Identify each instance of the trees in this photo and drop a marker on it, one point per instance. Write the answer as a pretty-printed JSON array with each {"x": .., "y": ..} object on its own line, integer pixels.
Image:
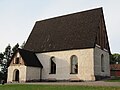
[
  {"x": 15, "y": 48},
  {"x": 7, "y": 54},
  {"x": 5, "y": 58},
  {"x": 115, "y": 58},
  {"x": 1, "y": 60},
  {"x": 1, "y": 57}
]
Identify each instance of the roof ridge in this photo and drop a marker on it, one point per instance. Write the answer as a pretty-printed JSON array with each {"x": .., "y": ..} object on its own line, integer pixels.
[
  {"x": 69, "y": 14},
  {"x": 72, "y": 31}
]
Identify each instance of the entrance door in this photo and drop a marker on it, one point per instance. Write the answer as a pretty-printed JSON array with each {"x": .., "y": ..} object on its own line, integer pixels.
[{"x": 16, "y": 75}]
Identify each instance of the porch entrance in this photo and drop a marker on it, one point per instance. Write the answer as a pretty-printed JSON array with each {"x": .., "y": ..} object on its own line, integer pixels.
[{"x": 16, "y": 75}]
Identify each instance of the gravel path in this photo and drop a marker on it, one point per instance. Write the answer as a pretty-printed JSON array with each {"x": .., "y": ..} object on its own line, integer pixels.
[{"x": 96, "y": 83}]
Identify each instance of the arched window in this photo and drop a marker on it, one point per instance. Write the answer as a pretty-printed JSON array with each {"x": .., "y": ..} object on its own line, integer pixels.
[
  {"x": 52, "y": 65},
  {"x": 102, "y": 63},
  {"x": 74, "y": 64}
]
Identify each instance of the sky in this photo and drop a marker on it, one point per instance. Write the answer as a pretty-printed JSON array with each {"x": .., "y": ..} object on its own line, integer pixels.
[{"x": 17, "y": 17}]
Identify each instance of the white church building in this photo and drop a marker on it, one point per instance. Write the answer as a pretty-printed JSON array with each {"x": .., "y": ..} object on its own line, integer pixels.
[{"x": 72, "y": 47}]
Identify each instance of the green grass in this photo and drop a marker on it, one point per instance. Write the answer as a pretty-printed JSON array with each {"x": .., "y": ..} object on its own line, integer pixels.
[
  {"x": 115, "y": 79},
  {"x": 53, "y": 87}
]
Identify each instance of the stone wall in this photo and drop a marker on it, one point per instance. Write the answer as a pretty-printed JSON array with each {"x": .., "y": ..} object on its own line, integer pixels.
[
  {"x": 97, "y": 62},
  {"x": 33, "y": 73},
  {"x": 22, "y": 73},
  {"x": 63, "y": 67},
  {"x": 89, "y": 66}
]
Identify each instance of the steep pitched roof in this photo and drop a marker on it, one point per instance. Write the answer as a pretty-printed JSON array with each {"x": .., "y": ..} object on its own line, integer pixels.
[
  {"x": 73, "y": 31},
  {"x": 29, "y": 58}
]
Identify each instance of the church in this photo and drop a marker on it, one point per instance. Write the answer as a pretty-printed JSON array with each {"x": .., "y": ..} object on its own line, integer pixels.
[{"x": 71, "y": 47}]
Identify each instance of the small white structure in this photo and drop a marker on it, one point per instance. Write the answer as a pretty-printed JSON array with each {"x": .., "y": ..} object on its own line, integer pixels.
[
  {"x": 73, "y": 47},
  {"x": 24, "y": 66}
]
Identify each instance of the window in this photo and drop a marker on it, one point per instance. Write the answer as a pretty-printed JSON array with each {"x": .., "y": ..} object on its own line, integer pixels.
[
  {"x": 52, "y": 65},
  {"x": 102, "y": 63},
  {"x": 74, "y": 64},
  {"x": 17, "y": 60}
]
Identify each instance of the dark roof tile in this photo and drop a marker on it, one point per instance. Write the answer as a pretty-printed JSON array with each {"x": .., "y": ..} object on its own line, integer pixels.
[
  {"x": 29, "y": 58},
  {"x": 73, "y": 31}
]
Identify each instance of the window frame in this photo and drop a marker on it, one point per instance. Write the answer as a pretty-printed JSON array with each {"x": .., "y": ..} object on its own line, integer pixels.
[
  {"x": 72, "y": 65},
  {"x": 102, "y": 63},
  {"x": 52, "y": 65}
]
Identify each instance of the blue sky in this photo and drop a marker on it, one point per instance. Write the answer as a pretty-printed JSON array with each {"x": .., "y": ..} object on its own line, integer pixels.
[{"x": 17, "y": 17}]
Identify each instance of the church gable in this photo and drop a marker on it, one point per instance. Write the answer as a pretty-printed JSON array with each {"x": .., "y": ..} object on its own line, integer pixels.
[
  {"x": 17, "y": 60},
  {"x": 101, "y": 37}
]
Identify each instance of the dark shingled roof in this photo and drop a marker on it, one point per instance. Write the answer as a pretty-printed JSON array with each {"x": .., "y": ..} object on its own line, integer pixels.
[
  {"x": 73, "y": 31},
  {"x": 29, "y": 58}
]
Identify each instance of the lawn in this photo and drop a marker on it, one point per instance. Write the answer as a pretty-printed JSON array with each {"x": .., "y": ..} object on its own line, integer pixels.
[
  {"x": 114, "y": 79},
  {"x": 53, "y": 87}
]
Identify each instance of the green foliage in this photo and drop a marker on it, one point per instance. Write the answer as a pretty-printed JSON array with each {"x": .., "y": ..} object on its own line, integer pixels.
[
  {"x": 115, "y": 58},
  {"x": 54, "y": 87},
  {"x": 5, "y": 58},
  {"x": 1, "y": 63},
  {"x": 7, "y": 53},
  {"x": 15, "y": 48},
  {"x": 1, "y": 76},
  {"x": 1, "y": 57}
]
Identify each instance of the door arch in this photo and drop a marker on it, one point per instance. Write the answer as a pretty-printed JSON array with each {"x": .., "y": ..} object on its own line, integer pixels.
[{"x": 16, "y": 75}]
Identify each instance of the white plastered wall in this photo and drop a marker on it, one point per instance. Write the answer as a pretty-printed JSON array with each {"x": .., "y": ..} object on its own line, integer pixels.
[
  {"x": 97, "y": 53},
  {"x": 63, "y": 68},
  {"x": 22, "y": 73},
  {"x": 33, "y": 73}
]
